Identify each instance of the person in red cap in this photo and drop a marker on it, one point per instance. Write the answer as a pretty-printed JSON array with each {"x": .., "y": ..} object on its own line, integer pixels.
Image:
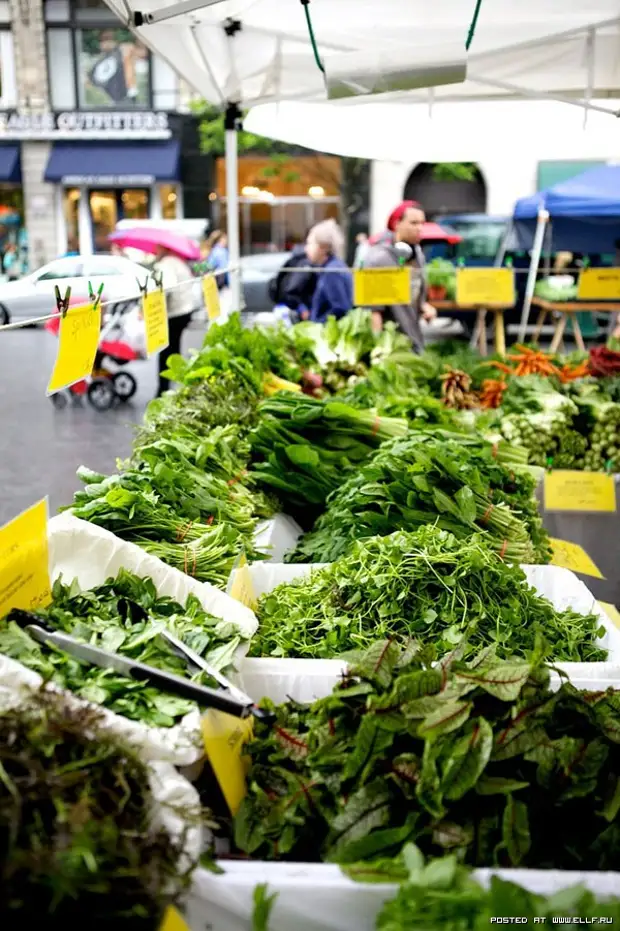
[{"x": 404, "y": 225}]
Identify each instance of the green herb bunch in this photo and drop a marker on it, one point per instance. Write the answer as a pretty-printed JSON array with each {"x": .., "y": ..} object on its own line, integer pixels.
[
  {"x": 429, "y": 585},
  {"x": 482, "y": 759},
  {"x": 125, "y": 616},
  {"x": 78, "y": 844},
  {"x": 456, "y": 481}
]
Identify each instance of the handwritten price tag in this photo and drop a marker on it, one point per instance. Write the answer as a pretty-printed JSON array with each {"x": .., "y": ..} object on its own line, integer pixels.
[
  {"x": 224, "y": 737},
  {"x": 155, "y": 321},
  {"x": 173, "y": 921},
  {"x": 211, "y": 297},
  {"x": 580, "y": 491},
  {"x": 599, "y": 284},
  {"x": 240, "y": 585},
  {"x": 24, "y": 561},
  {"x": 78, "y": 338},
  {"x": 378, "y": 287},
  {"x": 571, "y": 556},
  {"x": 486, "y": 287}
]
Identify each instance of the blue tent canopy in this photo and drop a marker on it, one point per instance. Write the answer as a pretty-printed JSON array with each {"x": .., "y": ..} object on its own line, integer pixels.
[{"x": 584, "y": 212}]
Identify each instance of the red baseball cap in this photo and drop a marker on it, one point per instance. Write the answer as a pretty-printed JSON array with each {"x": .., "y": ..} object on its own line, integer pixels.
[{"x": 399, "y": 212}]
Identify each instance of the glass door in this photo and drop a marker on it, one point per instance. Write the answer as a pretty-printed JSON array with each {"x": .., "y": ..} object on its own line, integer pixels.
[{"x": 103, "y": 217}]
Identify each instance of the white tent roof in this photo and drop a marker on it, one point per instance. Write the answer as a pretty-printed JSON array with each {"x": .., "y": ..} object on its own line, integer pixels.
[
  {"x": 468, "y": 131},
  {"x": 519, "y": 45}
]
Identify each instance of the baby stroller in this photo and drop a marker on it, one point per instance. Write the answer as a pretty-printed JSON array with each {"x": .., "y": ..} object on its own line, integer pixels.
[{"x": 121, "y": 341}]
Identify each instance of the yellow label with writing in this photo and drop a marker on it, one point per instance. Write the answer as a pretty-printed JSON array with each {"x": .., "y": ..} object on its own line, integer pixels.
[
  {"x": 78, "y": 338},
  {"x": 376, "y": 287},
  {"x": 599, "y": 284},
  {"x": 173, "y": 920},
  {"x": 211, "y": 297},
  {"x": 571, "y": 556},
  {"x": 240, "y": 585},
  {"x": 485, "y": 287},
  {"x": 155, "y": 321},
  {"x": 580, "y": 491},
  {"x": 224, "y": 738},
  {"x": 611, "y": 611},
  {"x": 24, "y": 561}
]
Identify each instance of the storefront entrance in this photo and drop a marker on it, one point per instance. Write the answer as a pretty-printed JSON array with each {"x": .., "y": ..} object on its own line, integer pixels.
[{"x": 108, "y": 207}]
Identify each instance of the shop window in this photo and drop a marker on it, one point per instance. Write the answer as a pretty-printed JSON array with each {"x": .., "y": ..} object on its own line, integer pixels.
[
  {"x": 113, "y": 69},
  {"x": 89, "y": 11},
  {"x": 70, "y": 210},
  {"x": 5, "y": 11},
  {"x": 165, "y": 86},
  {"x": 8, "y": 85},
  {"x": 61, "y": 69},
  {"x": 169, "y": 196},
  {"x": 135, "y": 204},
  {"x": 57, "y": 11}
]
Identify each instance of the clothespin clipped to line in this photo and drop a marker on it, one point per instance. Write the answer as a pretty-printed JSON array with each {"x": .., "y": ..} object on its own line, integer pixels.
[
  {"x": 143, "y": 287},
  {"x": 609, "y": 466},
  {"x": 95, "y": 297},
  {"x": 549, "y": 465},
  {"x": 158, "y": 278},
  {"x": 62, "y": 303}
]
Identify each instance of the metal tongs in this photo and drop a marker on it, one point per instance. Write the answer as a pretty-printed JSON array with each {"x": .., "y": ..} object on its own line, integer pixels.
[{"x": 230, "y": 700}]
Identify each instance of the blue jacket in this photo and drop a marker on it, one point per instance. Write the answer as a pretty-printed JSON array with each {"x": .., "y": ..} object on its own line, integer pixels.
[
  {"x": 219, "y": 257},
  {"x": 333, "y": 295}
]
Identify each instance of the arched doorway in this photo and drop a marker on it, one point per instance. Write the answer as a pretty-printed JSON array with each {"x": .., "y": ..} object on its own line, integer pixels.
[{"x": 441, "y": 195}]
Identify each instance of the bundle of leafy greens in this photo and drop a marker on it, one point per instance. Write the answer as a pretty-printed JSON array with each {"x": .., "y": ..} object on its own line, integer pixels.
[
  {"x": 481, "y": 759},
  {"x": 443, "y": 895},
  {"x": 456, "y": 481},
  {"x": 125, "y": 616},
  {"x": 428, "y": 585},
  {"x": 303, "y": 445},
  {"x": 79, "y": 846}
]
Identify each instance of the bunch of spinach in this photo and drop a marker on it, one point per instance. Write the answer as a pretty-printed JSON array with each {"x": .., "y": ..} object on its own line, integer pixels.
[
  {"x": 481, "y": 759},
  {"x": 456, "y": 481},
  {"x": 429, "y": 585},
  {"x": 443, "y": 895},
  {"x": 303, "y": 445},
  {"x": 126, "y": 616}
]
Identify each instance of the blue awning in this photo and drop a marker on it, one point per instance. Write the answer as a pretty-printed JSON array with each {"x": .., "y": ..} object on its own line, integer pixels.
[
  {"x": 121, "y": 164},
  {"x": 10, "y": 164}
]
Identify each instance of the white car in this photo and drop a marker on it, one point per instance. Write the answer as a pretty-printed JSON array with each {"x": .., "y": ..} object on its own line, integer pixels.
[{"x": 34, "y": 295}]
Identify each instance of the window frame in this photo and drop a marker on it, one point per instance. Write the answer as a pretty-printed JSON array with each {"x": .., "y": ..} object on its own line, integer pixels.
[
  {"x": 107, "y": 20},
  {"x": 7, "y": 107}
]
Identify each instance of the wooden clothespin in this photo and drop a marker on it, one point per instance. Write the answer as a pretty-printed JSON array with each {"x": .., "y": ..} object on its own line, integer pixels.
[
  {"x": 95, "y": 297},
  {"x": 62, "y": 303}
]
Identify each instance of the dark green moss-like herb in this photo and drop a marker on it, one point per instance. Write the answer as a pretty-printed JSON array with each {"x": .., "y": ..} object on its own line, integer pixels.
[
  {"x": 481, "y": 759},
  {"x": 78, "y": 847}
]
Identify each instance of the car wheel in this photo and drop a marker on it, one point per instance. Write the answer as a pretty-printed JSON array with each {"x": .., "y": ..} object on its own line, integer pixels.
[{"x": 5, "y": 316}]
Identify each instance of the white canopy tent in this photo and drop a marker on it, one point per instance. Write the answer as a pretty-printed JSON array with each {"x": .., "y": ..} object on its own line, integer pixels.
[{"x": 241, "y": 53}]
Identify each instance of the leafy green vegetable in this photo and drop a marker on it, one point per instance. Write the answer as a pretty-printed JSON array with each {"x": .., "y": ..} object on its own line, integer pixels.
[
  {"x": 479, "y": 759},
  {"x": 427, "y": 585},
  {"x": 263, "y": 907}
]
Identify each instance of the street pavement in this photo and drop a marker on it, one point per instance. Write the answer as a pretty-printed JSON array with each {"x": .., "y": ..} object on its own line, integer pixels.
[{"x": 41, "y": 447}]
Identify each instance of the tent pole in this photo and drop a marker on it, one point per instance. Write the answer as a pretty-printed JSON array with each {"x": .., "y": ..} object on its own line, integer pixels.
[
  {"x": 537, "y": 247},
  {"x": 232, "y": 123}
]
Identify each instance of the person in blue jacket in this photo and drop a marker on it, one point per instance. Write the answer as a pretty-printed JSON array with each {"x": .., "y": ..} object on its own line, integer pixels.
[{"x": 333, "y": 295}]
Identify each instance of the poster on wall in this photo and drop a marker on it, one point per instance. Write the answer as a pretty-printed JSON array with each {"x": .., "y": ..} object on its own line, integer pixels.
[{"x": 114, "y": 69}]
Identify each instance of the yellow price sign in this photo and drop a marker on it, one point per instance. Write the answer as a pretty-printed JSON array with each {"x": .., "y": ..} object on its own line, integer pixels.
[
  {"x": 599, "y": 284},
  {"x": 224, "y": 738},
  {"x": 611, "y": 611},
  {"x": 24, "y": 561},
  {"x": 580, "y": 491},
  {"x": 155, "y": 321},
  {"x": 240, "y": 585},
  {"x": 78, "y": 338},
  {"x": 485, "y": 287},
  {"x": 173, "y": 920},
  {"x": 571, "y": 556},
  {"x": 211, "y": 297},
  {"x": 377, "y": 287}
]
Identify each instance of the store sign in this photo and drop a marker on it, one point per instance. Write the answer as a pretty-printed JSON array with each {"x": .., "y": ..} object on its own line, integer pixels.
[
  {"x": 110, "y": 180},
  {"x": 77, "y": 124}
]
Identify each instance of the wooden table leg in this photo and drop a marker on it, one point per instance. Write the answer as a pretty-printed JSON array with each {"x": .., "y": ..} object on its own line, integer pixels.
[
  {"x": 500, "y": 333},
  {"x": 558, "y": 334},
  {"x": 540, "y": 322},
  {"x": 479, "y": 339},
  {"x": 578, "y": 334}
]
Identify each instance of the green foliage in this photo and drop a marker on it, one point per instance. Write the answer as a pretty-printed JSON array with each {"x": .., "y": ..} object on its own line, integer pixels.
[{"x": 455, "y": 171}]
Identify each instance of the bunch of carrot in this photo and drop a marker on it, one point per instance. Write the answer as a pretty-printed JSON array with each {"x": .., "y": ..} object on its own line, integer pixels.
[{"x": 536, "y": 362}]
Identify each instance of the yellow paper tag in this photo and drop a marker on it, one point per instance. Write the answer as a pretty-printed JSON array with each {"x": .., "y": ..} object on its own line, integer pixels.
[
  {"x": 580, "y": 491},
  {"x": 485, "y": 287},
  {"x": 78, "y": 338},
  {"x": 224, "y": 738},
  {"x": 240, "y": 585},
  {"x": 374, "y": 287},
  {"x": 211, "y": 297},
  {"x": 611, "y": 611},
  {"x": 599, "y": 284},
  {"x": 155, "y": 321},
  {"x": 24, "y": 561},
  {"x": 571, "y": 556},
  {"x": 173, "y": 921}
]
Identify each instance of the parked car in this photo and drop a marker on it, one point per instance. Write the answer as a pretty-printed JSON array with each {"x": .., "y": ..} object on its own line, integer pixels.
[
  {"x": 33, "y": 295},
  {"x": 256, "y": 273}
]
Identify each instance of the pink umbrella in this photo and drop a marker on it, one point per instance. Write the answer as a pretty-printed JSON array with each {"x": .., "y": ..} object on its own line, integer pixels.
[{"x": 150, "y": 239}]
